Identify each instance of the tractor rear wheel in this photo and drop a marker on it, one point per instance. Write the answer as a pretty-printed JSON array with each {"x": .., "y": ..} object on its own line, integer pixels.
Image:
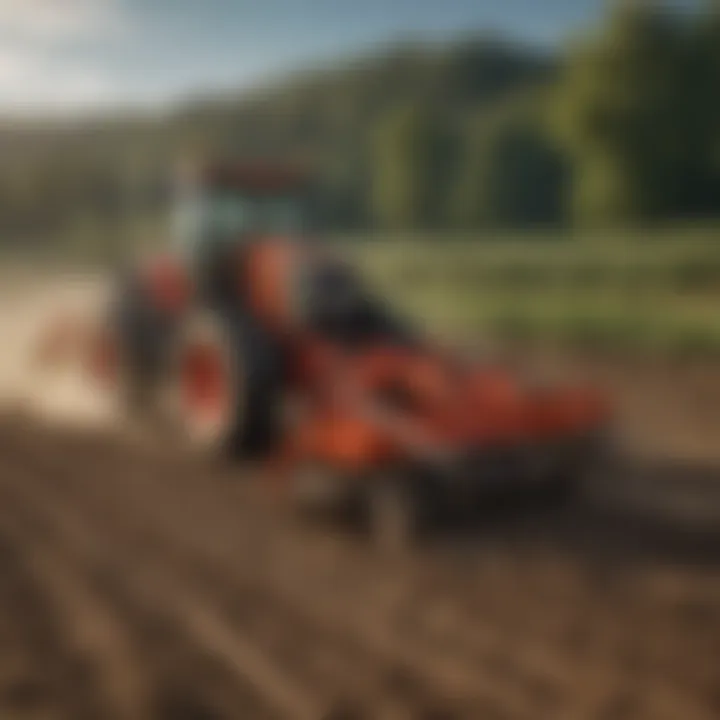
[{"x": 228, "y": 383}]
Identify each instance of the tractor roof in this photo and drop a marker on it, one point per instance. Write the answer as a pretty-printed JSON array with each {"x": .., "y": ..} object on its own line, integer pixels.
[{"x": 254, "y": 176}]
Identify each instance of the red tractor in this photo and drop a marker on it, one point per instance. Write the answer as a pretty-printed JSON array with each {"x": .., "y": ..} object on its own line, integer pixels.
[{"x": 269, "y": 345}]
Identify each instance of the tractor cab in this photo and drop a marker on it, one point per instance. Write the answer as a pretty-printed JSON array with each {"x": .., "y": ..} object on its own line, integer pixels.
[
  {"x": 221, "y": 209},
  {"x": 247, "y": 220}
]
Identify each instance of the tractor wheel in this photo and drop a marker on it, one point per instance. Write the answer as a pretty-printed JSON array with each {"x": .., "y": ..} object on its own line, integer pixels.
[
  {"x": 111, "y": 366},
  {"x": 397, "y": 514},
  {"x": 128, "y": 352},
  {"x": 228, "y": 384},
  {"x": 597, "y": 459},
  {"x": 562, "y": 488}
]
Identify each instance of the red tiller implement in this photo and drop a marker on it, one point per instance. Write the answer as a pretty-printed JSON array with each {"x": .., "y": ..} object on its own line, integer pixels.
[{"x": 261, "y": 341}]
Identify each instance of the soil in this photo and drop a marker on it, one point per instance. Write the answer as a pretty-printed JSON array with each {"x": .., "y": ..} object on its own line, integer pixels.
[{"x": 137, "y": 581}]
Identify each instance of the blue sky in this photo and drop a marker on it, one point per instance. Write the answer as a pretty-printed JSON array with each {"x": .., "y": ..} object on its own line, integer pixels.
[{"x": 77, "y": 54}]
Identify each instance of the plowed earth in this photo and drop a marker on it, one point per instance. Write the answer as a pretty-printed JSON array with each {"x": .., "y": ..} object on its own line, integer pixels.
[{"x": 137, "y": 582}]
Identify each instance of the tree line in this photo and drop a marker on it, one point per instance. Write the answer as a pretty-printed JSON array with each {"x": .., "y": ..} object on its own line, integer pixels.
[{"x": 622, "y": 126}]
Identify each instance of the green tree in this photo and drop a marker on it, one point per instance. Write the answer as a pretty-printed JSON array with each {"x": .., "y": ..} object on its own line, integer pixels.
[
  {"x": 705, "y": 97},
  {"x": 98, "y": 172},
  {"x": 511, "y": 173},
  {"x": 411, "y": 156},
  {"x": 622, "y": 114}
]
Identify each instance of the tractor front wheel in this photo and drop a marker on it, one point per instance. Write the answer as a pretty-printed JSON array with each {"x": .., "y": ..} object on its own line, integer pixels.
[{"x": 227, "y": 384}]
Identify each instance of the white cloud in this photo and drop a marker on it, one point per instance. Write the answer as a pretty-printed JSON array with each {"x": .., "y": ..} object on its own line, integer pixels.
[
  {"x": 35, "y": 72},
  {"x": 30, "y": 82},
  {"x": 59, "y": 20}
]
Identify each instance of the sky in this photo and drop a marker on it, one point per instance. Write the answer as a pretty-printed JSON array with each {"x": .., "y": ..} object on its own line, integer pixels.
[{"x": 75, "y": 55}]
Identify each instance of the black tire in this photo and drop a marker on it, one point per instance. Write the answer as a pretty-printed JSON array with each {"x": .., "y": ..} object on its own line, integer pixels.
[
  {"x": 563, "y": 487},
  {"x": 254, "y": 384},
  {"x": 133, "y": 391},
  {"x": 143, "y": 339},
  {"x": 257, "y": 418},
  {"x": 598, "y": 458}
]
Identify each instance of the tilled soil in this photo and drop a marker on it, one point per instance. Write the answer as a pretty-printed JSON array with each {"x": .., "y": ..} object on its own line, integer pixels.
[{"x": 139, "y": 582}]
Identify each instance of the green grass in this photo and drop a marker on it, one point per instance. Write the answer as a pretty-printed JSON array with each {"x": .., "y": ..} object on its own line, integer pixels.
[
  {"x": 656, "y": 291},
  {"x": 646, "y": 293}
]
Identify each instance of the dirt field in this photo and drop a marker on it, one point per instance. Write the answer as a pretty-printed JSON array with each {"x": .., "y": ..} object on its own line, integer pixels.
[{"x": 137, "y": 582}]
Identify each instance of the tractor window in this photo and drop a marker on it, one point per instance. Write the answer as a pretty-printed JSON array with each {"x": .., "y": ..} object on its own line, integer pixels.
[
  {"x": 212, "y": 221},
  {"x": 187, "y": 223},
  {"x": 281, "y": 215},
  {"x": 228, "y": 216},
  {"x": 207, "y": 222}
]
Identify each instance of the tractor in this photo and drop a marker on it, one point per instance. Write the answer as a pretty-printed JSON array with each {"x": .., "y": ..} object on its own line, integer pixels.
[{"x": 262, "y": 342}]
